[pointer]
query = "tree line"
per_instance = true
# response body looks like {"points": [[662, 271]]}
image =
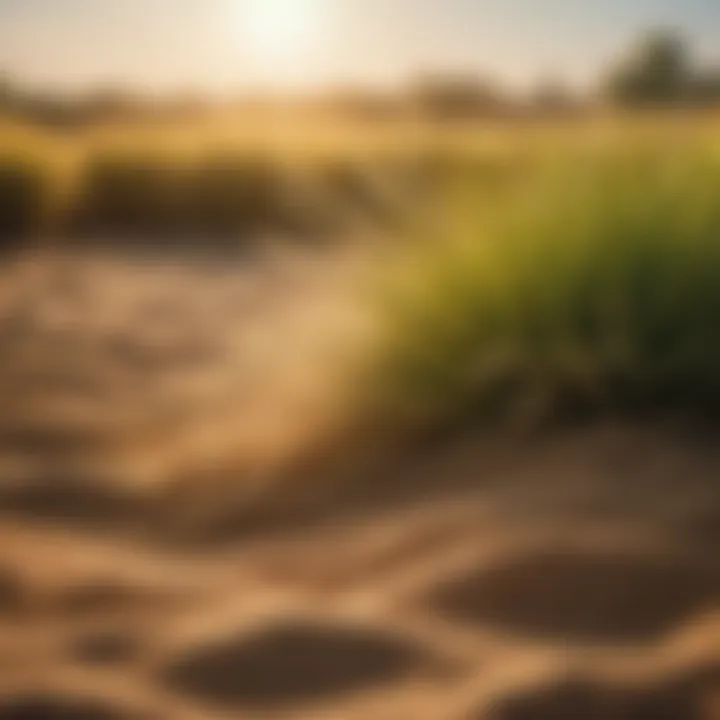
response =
{"points": [[659, 70]]}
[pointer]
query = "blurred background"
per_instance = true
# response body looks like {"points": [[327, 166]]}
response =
{"points": [[359, 360]]}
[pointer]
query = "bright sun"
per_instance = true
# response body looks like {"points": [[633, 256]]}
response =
{"points": [[281, 37]]}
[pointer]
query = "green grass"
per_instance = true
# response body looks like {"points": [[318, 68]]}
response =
{"points": [[592, 287]]}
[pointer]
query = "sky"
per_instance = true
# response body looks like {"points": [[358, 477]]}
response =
{"points": [[220, 45]]}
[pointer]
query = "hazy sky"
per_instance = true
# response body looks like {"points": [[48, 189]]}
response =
{"points": [[217, 44]]}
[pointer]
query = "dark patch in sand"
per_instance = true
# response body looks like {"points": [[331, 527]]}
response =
{"points": [[40, 440], [693, 697], [588, 596], [293, 663], [68, 500], [102, 597], [106, 648], [43, 707], [13, 592]]}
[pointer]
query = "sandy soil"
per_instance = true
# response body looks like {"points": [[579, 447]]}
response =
{"points": [[156, 562]]}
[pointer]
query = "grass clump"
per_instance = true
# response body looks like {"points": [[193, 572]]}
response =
{"points": [[596, 292]]}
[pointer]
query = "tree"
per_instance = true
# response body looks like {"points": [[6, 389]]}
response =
{"points": [[657, 72]]}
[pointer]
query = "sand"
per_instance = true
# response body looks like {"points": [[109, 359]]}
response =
{"points": [[158, 559]]}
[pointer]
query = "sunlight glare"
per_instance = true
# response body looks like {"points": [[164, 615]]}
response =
{"points": [[281, 38]]}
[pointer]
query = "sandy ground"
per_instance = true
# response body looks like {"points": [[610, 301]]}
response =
{"points": [[146, 407]]}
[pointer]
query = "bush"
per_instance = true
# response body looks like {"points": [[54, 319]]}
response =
{"points": [[598, 292]]}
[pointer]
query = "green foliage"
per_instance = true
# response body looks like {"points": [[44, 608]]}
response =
{"points": [[597, 292]]}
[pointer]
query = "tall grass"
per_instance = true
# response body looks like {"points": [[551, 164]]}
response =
{"points": [[593, 288]]}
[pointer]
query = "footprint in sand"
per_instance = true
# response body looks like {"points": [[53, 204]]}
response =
{"points": [[583, 596], [694, 696], [293, 663], [43, 707]]}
